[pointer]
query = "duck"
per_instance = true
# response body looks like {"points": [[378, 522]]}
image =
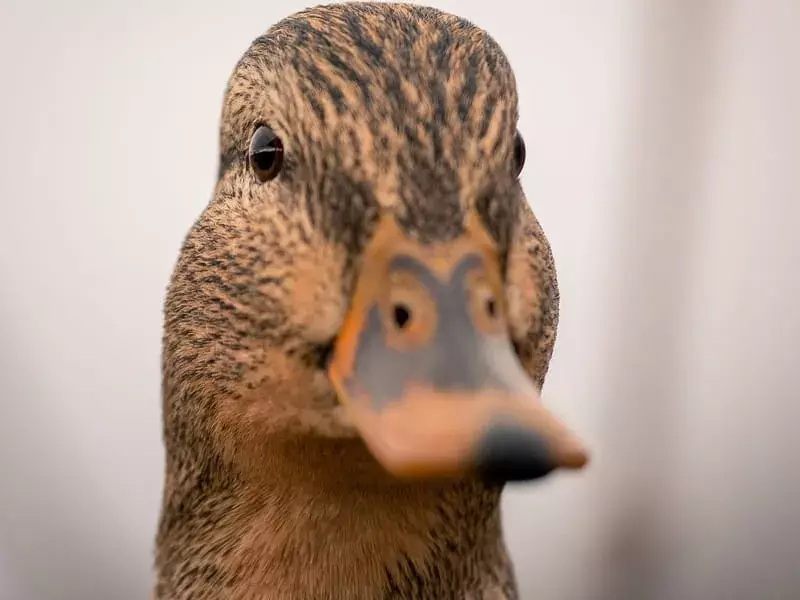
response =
{"points": [[359, 323]]}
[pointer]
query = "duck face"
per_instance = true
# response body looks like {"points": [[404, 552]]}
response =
{"points": [[369, 267]]}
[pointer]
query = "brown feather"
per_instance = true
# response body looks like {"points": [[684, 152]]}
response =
{"points": [[268, 492]]}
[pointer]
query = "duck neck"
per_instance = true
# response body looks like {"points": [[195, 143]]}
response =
{"points": [[322, 514]]}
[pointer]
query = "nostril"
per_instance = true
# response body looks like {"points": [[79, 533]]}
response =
{"points": [[491, 307], [402, 315]]}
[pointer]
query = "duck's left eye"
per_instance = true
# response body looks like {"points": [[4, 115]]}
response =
{"points": [[519, 153], [266, 154]]}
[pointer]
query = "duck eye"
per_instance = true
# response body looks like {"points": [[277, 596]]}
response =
{"points": [[265, 154], [519, 153]]}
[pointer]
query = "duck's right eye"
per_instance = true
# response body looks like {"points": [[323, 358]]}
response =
{"points": [[519, 153], [265, 154]]}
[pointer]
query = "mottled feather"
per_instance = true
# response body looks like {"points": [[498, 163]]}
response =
{"points": [[268, 491]]}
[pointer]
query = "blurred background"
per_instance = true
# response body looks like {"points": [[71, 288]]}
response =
{"points": [[664, 164]]}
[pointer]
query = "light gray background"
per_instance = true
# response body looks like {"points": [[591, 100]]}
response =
{"points": [[663, 163]]}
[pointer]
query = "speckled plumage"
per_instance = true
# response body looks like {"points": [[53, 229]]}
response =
{"points": [[269, 493]]}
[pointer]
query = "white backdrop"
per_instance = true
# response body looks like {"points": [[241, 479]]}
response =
{"points": [[664, 164]]}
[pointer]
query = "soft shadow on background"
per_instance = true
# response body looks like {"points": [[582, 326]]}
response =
{"points": [[664, 164]]}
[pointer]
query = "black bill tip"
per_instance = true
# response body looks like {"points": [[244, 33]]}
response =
{"points": [[510, 452]]}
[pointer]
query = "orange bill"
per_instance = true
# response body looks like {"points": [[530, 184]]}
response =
{"points": [[427, 372]]}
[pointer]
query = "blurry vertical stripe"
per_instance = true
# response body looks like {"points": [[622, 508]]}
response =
{"points": [[661, 188]]}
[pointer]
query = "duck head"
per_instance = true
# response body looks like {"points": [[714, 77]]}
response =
{"points": [[369, 270]]}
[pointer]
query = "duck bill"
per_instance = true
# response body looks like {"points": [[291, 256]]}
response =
{"points": [[428, 374]]}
